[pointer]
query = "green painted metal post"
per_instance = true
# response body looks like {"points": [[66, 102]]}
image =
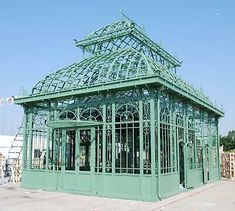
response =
{"points": [[77, 145], [104, 140], [55, 154], [30, 140], [93, 160], [185, 144], [153, 146], [210, 142], [195, 146], [48, 142], [171, 139], [113, 144], [175, 143], [77, 155], [104, 145], [158, 148], [78, 113], [141, 144], [203, 149], [25, 140], [63, 151]]}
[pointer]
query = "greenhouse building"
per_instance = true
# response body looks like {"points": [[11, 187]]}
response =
{"points": [[120, 123]]}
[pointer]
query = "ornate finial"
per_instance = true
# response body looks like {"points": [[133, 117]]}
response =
{"points": [[125, 17]]}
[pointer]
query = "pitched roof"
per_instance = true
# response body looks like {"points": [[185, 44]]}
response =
{"points": [[135, 60]]}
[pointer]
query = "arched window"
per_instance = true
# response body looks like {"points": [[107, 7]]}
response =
{"points": [[167, 147], [65, 115], [127, 113], [91, 114]]}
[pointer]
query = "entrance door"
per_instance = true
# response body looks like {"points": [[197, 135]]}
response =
{"points": [[63, 155], [206, 164], [73, 158], [86, 157]]}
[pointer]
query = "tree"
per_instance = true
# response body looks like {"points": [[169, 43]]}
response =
{"points": [[228, 141]]}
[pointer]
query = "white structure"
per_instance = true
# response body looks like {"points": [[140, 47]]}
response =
{"points": [[11, 149], [228, 164], [5, 144]]}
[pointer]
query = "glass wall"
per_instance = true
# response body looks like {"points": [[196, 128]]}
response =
{"points": [[123, 140], [39, 141]]}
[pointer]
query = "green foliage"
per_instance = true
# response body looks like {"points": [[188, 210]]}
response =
{"points": [[228, 142]]}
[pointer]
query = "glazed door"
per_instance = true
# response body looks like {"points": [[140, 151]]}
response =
{"points": [[86, 149], [63, 155], [85, 164], [73, 158], [70, 157]]}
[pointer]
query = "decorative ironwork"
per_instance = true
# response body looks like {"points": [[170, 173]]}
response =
{"points": [[67, 115], [125, 34], [85, 150], [127, 140], [109, 114], [39, 141], [70, 150], [98, 149], [146, 110], [91, 114], [127, 113], [119, 52], [120, 93], [108, 164], [146, 148]]}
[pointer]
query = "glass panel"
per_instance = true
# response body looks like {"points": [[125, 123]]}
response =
{"points": [[127, 138], [50, 153], [98, 149], [39, 141], [165, 148], [70, 150], [39, 149], [127, 150], [193, 151], [190, 156], [58, 149], [199, 154], [146, 148], [85, 150]]}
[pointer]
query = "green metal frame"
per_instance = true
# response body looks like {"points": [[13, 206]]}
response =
{"points": [[142, 117]]}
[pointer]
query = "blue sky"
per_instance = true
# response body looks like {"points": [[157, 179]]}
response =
{"points": [[36, 38]]}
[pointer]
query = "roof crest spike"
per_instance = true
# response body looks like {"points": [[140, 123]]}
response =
{"points": [[125, 17]]}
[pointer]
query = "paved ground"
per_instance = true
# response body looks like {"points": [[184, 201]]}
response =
{"points": [[217, 196]]}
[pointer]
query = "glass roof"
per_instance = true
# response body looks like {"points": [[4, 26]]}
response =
{"points": [[117, 66], [121, 65], [127, 61]]}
